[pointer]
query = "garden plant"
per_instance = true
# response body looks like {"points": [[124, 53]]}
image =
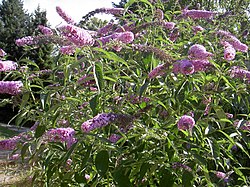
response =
{"points": [[157, 97]]}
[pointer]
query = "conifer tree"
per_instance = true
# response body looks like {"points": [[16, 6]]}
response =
{"points": [[14, 24]]}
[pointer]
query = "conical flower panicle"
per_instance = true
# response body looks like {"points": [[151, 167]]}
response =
{"points": [[8, 65], [45, 30], [98, 121], [78, 36], [9, 144], [64, 16], [61, 135], [198, 14], [11, 87]]}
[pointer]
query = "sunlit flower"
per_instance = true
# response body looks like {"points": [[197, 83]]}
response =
{"points": [[198, 51], [7, 65], [197, 29], [45, 30], [78, 36], [222, 175], [186, 123], [2, 52]]}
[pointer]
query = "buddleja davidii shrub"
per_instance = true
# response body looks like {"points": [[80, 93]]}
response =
{"points": [[155, 147]]}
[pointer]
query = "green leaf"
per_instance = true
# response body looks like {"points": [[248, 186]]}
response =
{"points": [[121, 178], [39, 131], [143, 87], [167, 178], [94, 102], [187, 178], [102, 162], [98, 75]]}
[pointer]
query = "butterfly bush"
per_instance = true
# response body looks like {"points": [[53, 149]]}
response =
{"points": [[124, 107]]}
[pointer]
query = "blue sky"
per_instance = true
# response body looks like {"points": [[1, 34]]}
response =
{"points": [[75, 8]]}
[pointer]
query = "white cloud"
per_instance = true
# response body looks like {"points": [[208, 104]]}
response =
{"points": [[76, 8]]}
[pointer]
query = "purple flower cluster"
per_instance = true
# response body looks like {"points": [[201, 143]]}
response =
{"points": [[229, 51], [169, 25], [222, 175], [198, 51], [7, 65], [2, 53], [98, 121], [61, 135], [180, 165], [159, 70], [67, 50], [11, 87], [134, 99], [186, 123], [106, 29], [187, 67], [87, 80], [9, 144], [45, 30], [113, 11], [239, 72], [198, 14], [231, 39], [114, 138], [197, 29], [243, 126], [124, 37], [78, 36], [64, 16], [27, 40]]}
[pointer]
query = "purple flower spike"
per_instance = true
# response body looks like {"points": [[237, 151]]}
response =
{"points": [[98, 121], [11, 87], [7, 65], [78, 36], [9, 144], [45, 30], [61, 135], [198, 14], [64, 16], [186, 123]]}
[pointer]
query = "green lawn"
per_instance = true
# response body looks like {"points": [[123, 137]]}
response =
{"points": [[5, 132]]}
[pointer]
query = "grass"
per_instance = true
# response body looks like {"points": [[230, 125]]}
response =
{"points": [[5, 132]]}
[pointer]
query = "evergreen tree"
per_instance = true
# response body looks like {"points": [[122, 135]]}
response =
{"points": [[41, 55], [14, 24]]}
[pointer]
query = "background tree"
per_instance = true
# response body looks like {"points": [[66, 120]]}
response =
{"points": [[14, 24]]}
